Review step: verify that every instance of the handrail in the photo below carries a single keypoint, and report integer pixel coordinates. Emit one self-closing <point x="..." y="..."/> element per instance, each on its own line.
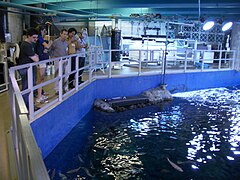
<point x="95" y="59"/>
<point x="30" y="164"/>
<point x="37" y="167"/>
<point x="28" y="157"/>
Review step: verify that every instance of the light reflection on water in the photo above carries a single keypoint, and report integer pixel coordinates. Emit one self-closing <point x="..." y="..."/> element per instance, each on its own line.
<point x="213" y="122"/>
<point x="198" y="132"/>
<point x="224" y="100"/>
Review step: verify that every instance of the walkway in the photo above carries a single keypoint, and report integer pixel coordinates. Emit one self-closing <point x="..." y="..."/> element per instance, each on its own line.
<point x="5" y="122"/>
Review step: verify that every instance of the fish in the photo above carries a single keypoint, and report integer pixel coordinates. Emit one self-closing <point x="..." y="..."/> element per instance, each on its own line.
<point x="91" y="165"/>
<point x="185" y="162"/>
<point x="62" y="176"/>
<point x="169" y="149"/>
<point x="165" y="171"/>
<point x="74" y="170"/>
<point x="80" y="159"/>
<point x="175" y="166"/>
<point x="53" y="174"/>
<point x="87" y="172"/>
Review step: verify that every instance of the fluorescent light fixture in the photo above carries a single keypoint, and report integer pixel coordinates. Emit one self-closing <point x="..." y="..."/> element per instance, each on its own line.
<point x="227" y="26"/>
<point x="208" y="25"/>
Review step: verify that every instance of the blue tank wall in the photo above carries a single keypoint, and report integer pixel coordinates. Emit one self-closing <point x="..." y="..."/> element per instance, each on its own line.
<point x="52" y="127"/>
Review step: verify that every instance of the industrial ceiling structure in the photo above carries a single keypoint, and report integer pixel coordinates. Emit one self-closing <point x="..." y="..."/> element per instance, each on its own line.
<point x="127" y="9"/>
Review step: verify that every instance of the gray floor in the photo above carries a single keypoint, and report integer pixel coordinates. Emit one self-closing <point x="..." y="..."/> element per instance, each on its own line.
<point x="5" y="122"/>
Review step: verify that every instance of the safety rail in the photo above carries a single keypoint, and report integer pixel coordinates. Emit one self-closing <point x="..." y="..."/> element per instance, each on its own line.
<point x="144" y="64"/>
<point x="3" y="87"/>
<point x="29" y="161"/>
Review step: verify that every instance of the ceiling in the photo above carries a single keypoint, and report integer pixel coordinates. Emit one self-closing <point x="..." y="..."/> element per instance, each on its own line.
<point x="168" y="9"/>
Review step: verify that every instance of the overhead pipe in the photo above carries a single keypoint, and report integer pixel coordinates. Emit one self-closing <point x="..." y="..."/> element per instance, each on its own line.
<point x="23" y="13"/>
<point x="182" y="23"/>
<point x="52" y="4"/>
<point x="19" y="6"/>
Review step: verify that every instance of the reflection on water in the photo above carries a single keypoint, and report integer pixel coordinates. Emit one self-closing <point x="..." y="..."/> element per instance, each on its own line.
<point x="217" y="100"/>
<point x="194" y="137"/>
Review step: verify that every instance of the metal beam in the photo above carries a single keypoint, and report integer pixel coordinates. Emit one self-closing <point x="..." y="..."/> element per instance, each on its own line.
<point x="36" y="9"/>
<point x="97" y="5"/>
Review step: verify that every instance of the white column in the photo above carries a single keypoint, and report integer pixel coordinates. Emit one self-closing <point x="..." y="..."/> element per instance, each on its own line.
<point x="235" y="44"/>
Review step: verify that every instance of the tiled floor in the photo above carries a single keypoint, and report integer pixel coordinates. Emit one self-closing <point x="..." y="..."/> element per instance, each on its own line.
<point x="5" y="122"/>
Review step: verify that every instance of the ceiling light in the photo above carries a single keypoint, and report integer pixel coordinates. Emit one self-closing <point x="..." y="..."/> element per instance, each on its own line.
<point x="227" y="26"/>
<point x="208" y="25"/>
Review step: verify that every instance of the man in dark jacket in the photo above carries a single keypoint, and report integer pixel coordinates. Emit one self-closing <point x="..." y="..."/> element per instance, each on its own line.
<point x="27" y="55"/>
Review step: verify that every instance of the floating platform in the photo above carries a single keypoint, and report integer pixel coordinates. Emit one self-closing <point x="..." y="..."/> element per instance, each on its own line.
<point x="117" y="104"/>
<point x="127" y="101"/>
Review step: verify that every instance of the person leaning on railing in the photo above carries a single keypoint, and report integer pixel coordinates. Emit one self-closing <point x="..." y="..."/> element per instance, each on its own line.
<point x="81" y="50"/>
<point x="27" y="55"/>
<point x="41" y="48"/>
<point x="72" y="47"/>
<point x="59" y="48"/>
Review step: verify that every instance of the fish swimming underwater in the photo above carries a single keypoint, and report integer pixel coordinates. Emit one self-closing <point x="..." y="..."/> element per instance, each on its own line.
<point x="80" y="159"/>
<point x="53" y="173"/>
<point x="62" y="176"/>
<point x="74" y="170"/>
<point x="175" y="166"/>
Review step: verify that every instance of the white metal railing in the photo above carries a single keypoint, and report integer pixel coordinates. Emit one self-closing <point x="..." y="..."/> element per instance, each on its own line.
<point x="142" y="63"/>
<point x="28" y="157"/>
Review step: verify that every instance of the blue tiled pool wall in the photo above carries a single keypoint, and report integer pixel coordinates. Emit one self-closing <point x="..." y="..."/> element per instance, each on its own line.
<point x="52" y="127"/>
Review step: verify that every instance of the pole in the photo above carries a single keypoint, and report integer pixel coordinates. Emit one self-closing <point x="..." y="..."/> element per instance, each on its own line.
<point x="165" y="57"/>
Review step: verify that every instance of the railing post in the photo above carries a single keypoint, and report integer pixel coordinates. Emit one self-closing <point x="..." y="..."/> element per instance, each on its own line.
<point x="185" y="62"/>
<point x="110" y="63"/>
<point x="90" y="65"/>
<point x="220" y="60"/>
<point x="30" y="95"/>
<point x="95" y="57"/>
<point x="77" y="73"/>
<point x="163" y="61"/>
<point x="140" y="65"/>
<point x="234" y="59"/>
<point x="60" y="83"/>
<point x="6" y="75"/>
<point x="151" y="52"/>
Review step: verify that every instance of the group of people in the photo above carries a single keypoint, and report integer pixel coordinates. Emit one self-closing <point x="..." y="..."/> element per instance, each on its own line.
<point x="34" y="48"/>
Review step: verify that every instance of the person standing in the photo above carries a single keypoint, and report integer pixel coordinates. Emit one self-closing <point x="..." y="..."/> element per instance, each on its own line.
<point x="81" y="50"/>
<point x="59" y="48"/>
<point x="27" y="55"/>
<point x="72" y="46"/>
<point x="41" y="48"/>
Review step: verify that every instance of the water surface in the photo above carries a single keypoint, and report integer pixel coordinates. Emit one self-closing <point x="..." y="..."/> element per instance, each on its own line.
<point x="196" y="136"/>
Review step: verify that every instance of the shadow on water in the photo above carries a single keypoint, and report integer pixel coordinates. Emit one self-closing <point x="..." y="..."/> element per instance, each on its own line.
<point x="196" y="136"/>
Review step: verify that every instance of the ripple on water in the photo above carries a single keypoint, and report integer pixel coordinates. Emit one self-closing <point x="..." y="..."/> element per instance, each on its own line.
<point x="198" y="133"/>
